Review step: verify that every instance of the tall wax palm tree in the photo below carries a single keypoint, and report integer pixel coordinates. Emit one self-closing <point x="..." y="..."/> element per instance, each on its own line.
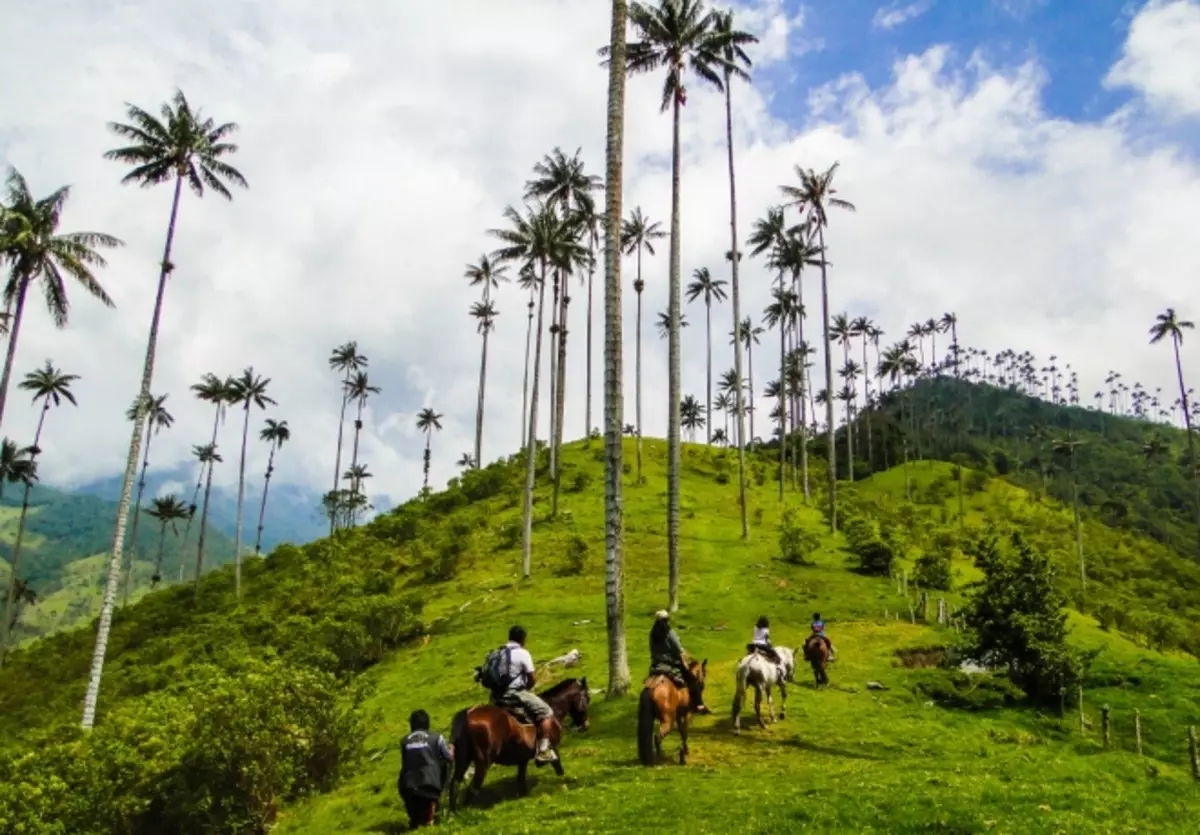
<point x="157" y="418"/>
<point x="208" y="457"/>
<point x="167" y="510"/>
<point x="949" y="322"/>
<point x="795" y="251"/>
<point x="691" y="415"/>
<point x="676" y="36"/>
<point x="18" y="465"/>
<point x="736" y="63"/>
<point x="488" y="275"/>
<point x="527" y="279"/>
<point x="638" y="235"/>
<point x="428" y="421"/>
<point x="275" y="433"/>
<point x="537" y="237"/>
<point x="725" y="404"/>
<point x="814" y="196"/>
<point x="211" y="389"/>
<point x="781" y="313"/>
<point x="34" y="250"/>
<point x="863" y="327"/>
<point x="843" y="335"/>
<point x="182" y="146"/>
<point x="1168" y="325"/>
<point x="614" y="572"/>
<point x="357" y="499"/>
<point x="248" y="390"/>
<point x="346" y="360"/>
<point x="705" y="286"/>
<point x="748" y="333"/>
<point x="465" y="461"/>
<point x="51" y="386"/>
<point x="358" y="389"/>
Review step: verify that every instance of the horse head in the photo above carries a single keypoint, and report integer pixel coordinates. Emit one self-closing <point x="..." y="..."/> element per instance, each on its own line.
<point x="578" y="705"/>
<point x="570" y="698"/>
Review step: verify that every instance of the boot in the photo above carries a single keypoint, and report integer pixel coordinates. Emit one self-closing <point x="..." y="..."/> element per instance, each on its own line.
<point x="545" y="754"/>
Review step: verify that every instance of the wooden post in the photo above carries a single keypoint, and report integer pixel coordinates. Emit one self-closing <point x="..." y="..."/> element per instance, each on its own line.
<point x="1137" y="729"/>
<point x="912" y="614"/>
<point x="1192" y="749"/>
<point x="904" y="578"/>
<point x="1105" y="716"/>
<point x="925" y="607"/>
<point x="941" y="612"/>
<point x="1082" y="731"/>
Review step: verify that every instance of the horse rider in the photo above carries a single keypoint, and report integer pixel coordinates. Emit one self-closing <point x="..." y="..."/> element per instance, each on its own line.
<point x="818" y="630"/>
<point x="425" y="760"/>
<point x="761" y="643"/>
<point x="666" y="658"/>
<point x="514" y="681"/>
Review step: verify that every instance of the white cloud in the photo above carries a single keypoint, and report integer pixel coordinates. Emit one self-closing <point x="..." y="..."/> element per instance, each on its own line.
<point x="1161" y="59"/>
<point x="895" y="14"/>
<point x="1018" y="9"/>
<point x="379" y="149"/>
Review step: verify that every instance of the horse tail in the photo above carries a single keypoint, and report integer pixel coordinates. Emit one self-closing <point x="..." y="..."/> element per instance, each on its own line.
<point x="458" y="738"/>
<point x="739" y="693"/>
<point x="647" y="716"/>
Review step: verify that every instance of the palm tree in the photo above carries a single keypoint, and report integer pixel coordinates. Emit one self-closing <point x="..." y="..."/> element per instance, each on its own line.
<point x="815" y="195"/>
<point x="748" y="333"/>
<point x="736" y="63"/>
<point x="358" y="389"/>
<point x="275" y="433"/>
<point x="663" y="324"/>
<point x="185" y="146"/>
<point x="168" y="510"/>
<point x="863" y="328"/>
<point x="527" y="279"/>
<point x="725" y="404"/>
<point x="211" y="389"/>
<point x="1169" y="326"/>
<point x="34" y="249"/>
<point x="347" y="360"/>
<point x="489" y="275"/>
<point x="949" y="323"/>
<point x="357" y="499"/>
<point x="428" y="421"/>
<point x="465" y="461"/>
<point x="638" y="234"/>
<point x="676" y="35"/>
<point x="157" y="418"/>
<point x="248" y="390"/>
<point x="794" y="252"/>
<point x="691" y="414"/>
<point x="843" y="334"/>
<point x="18" y="465"/>
<point x="51" y="386"/>
<point x="538" y="237"/>
<point x="614" y="574"/>
<point x="209" y="457"/>
<point x="781" y="313"/>
<point x="704" y="285"/>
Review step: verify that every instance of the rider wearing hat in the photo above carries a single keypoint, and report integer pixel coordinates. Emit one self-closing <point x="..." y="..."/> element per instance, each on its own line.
<point x="666" y="658"/>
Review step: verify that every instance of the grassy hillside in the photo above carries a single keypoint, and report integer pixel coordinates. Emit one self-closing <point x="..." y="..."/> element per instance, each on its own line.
<point x="406" y="606"/>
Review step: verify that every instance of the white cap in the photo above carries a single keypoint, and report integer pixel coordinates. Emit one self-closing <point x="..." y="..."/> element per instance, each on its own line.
<point x="662" y="614"/>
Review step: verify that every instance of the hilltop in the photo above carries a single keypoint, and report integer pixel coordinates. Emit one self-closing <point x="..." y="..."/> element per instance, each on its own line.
<point x="402" y="609"/>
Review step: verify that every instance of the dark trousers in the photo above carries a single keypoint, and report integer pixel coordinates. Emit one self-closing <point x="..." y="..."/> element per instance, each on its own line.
<point x="420" y="808"/>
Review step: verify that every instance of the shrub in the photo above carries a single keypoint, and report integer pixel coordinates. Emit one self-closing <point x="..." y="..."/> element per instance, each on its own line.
<point x="977" y="481"/>
<point x="796" y="543"/>
<point x="509" y="536"/>
<point x="577" y="554"/>
<point x="933" y="570"/>
<point x="874" y="555"/>
<point x="580" y="481"/>
<point x="722" y="477"/>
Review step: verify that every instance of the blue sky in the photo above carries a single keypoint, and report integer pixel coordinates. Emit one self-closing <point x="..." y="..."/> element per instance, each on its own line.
<point x="1074" y="41"/>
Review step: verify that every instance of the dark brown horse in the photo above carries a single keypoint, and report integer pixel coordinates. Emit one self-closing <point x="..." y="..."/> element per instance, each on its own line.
<point x="487" y="735"/>
<point x="662" y="706"/>
<point x="816" y="653"/>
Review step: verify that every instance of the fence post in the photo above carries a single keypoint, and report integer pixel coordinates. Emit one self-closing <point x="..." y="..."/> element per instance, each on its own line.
<point x="1137" y="729"/>
<point x="925" y="606"/>
<point x="904" y="577"/>
<point x="1082" y="731"/>
<point x="1105" y="718"/>
<point x="941" y="611"/>
<point x="1194" y="752"/>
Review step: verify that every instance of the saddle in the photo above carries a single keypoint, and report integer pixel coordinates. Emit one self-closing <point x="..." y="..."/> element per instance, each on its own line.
<point x="514" y="709"/>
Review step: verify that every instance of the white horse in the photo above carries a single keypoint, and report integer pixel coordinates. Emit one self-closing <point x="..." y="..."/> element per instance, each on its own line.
<point x="756" y="671"/>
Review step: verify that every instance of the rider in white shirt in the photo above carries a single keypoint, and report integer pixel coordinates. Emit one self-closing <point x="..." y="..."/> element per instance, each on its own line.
<point x="519" y="693"/>
<point x="762" y="640"/>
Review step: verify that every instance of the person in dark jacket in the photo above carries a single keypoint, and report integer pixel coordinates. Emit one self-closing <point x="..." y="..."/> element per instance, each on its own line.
<point x="666" y="658"/>
<point x="425" y="761"/>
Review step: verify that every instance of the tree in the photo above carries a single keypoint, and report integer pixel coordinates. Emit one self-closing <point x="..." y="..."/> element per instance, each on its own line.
<point x="209" y="457"/>
<point x="51" y="386"/>
<point x="358" y="389"/>
<point x="527" y="279"/>
<point x="704" y="285"/>
<point x="691" y="415"/>
<point x="843" y="334"/>
<point x="35" y="250"/>
<point x="782" y="313"/>
<point x="748" y="333"/>
<point x="663" y="324"/>
<point x="796" y="252"/>
<point x="1066" y="447"/>
<point x="18" y="465"/>
<point x="356" y="475"/>
<point x="815" y="195"/>
<point x="488" y="275"/>
<point x="638" y="235"/>
<point x="428" y="421"/>
<point x="184" y="146"/>
<point x="275" y="433"/>
<point x="1169" y="326"/>
<point x="211" y="389"/>
<point x="248" y="390"/>
<point x="949" y="323"/>
<point x="465" y="461"/>
<point x="168" y="510"/>
<point x="157" y="418"/>
<point x="347" y="360"/>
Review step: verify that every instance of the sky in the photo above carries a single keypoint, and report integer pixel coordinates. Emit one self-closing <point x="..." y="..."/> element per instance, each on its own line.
<point x="1031" y="165"/>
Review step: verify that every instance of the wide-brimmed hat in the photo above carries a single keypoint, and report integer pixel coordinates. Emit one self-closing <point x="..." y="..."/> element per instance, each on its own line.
<point x="662" y="614"/>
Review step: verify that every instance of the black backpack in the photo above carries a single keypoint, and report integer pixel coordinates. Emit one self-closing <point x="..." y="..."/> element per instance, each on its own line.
<point x="495" y="673"/>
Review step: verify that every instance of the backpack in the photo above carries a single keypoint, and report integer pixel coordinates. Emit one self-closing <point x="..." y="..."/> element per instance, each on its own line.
<point x="495" y="673"/>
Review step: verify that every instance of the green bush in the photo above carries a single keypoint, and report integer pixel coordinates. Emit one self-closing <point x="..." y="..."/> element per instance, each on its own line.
<point x="577" y="554"/>
<point x="580" y="481"/>
<point x="796" y="543"/>
<point x="933" y="570"/>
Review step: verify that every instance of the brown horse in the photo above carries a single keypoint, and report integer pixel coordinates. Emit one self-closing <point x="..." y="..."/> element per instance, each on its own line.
<point x="663" y="705"/>
<point x="487" y="735"/>
<point x="816" y="653"/>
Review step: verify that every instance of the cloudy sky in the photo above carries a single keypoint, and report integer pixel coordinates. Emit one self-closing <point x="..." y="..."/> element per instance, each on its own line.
<point x="1028" y="164"/>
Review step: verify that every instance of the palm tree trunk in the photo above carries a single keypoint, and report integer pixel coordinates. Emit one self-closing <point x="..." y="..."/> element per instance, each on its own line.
<point x="708" y="378"/>
<point x="867" y="408"/>
<point x="1187" y="423"/>
<point x="241" y="502"/>
<point x="204" y="521"/>
<point x="559" y="403"/>
<point x="10" y="597"/>
<point x="354" y="458"/>
<point x="638" y="373"/>
<point x="614" y="413"/>
<point x="587" y="412"/>
<point x="673" y="376"/>
<point x="783" y="393"/>
<point x="735" y="292"/>
<point x="531" y="443"/>
<point x="135" y="447"/>
<point x="337" y="461"/>
<point x="554" y="337"/>
<point x="829" y="433"/>
<point x="162" y="541"/>
<point x="479" y="407"/>
<point x="525" y="384"/>
<point x="750" y="380"/>
<point x="11" y="354"/>
<point x="262" y="508"/>
<point x="428" y="441"/>
<point x="804" y="386"/>
<point x="187" y="529"/>
<point x="133" y="531"/>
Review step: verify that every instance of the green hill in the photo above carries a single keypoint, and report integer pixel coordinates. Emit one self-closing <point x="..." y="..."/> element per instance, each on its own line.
<point x="286" y="709"/>
<point x="64" y="555"/>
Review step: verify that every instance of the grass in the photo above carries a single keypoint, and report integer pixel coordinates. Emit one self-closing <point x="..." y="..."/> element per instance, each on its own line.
<point x="846" y="759"/>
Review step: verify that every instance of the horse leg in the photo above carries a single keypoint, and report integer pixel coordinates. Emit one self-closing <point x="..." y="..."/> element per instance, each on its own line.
<point x="737" y="710"/>
<point x="758" y="706"/>
<point x="522" y="778"/>
<point x="782" y="700"/>
<point x="683" y="740"/>
<point x="770" y="703"/>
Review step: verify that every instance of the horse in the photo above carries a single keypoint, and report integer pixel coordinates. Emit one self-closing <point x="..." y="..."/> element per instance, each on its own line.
<point x="816" y="653"/>
<point x="759" y="672"/>
<point x="663" y="705"/>
<point x="487" y="735"/>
